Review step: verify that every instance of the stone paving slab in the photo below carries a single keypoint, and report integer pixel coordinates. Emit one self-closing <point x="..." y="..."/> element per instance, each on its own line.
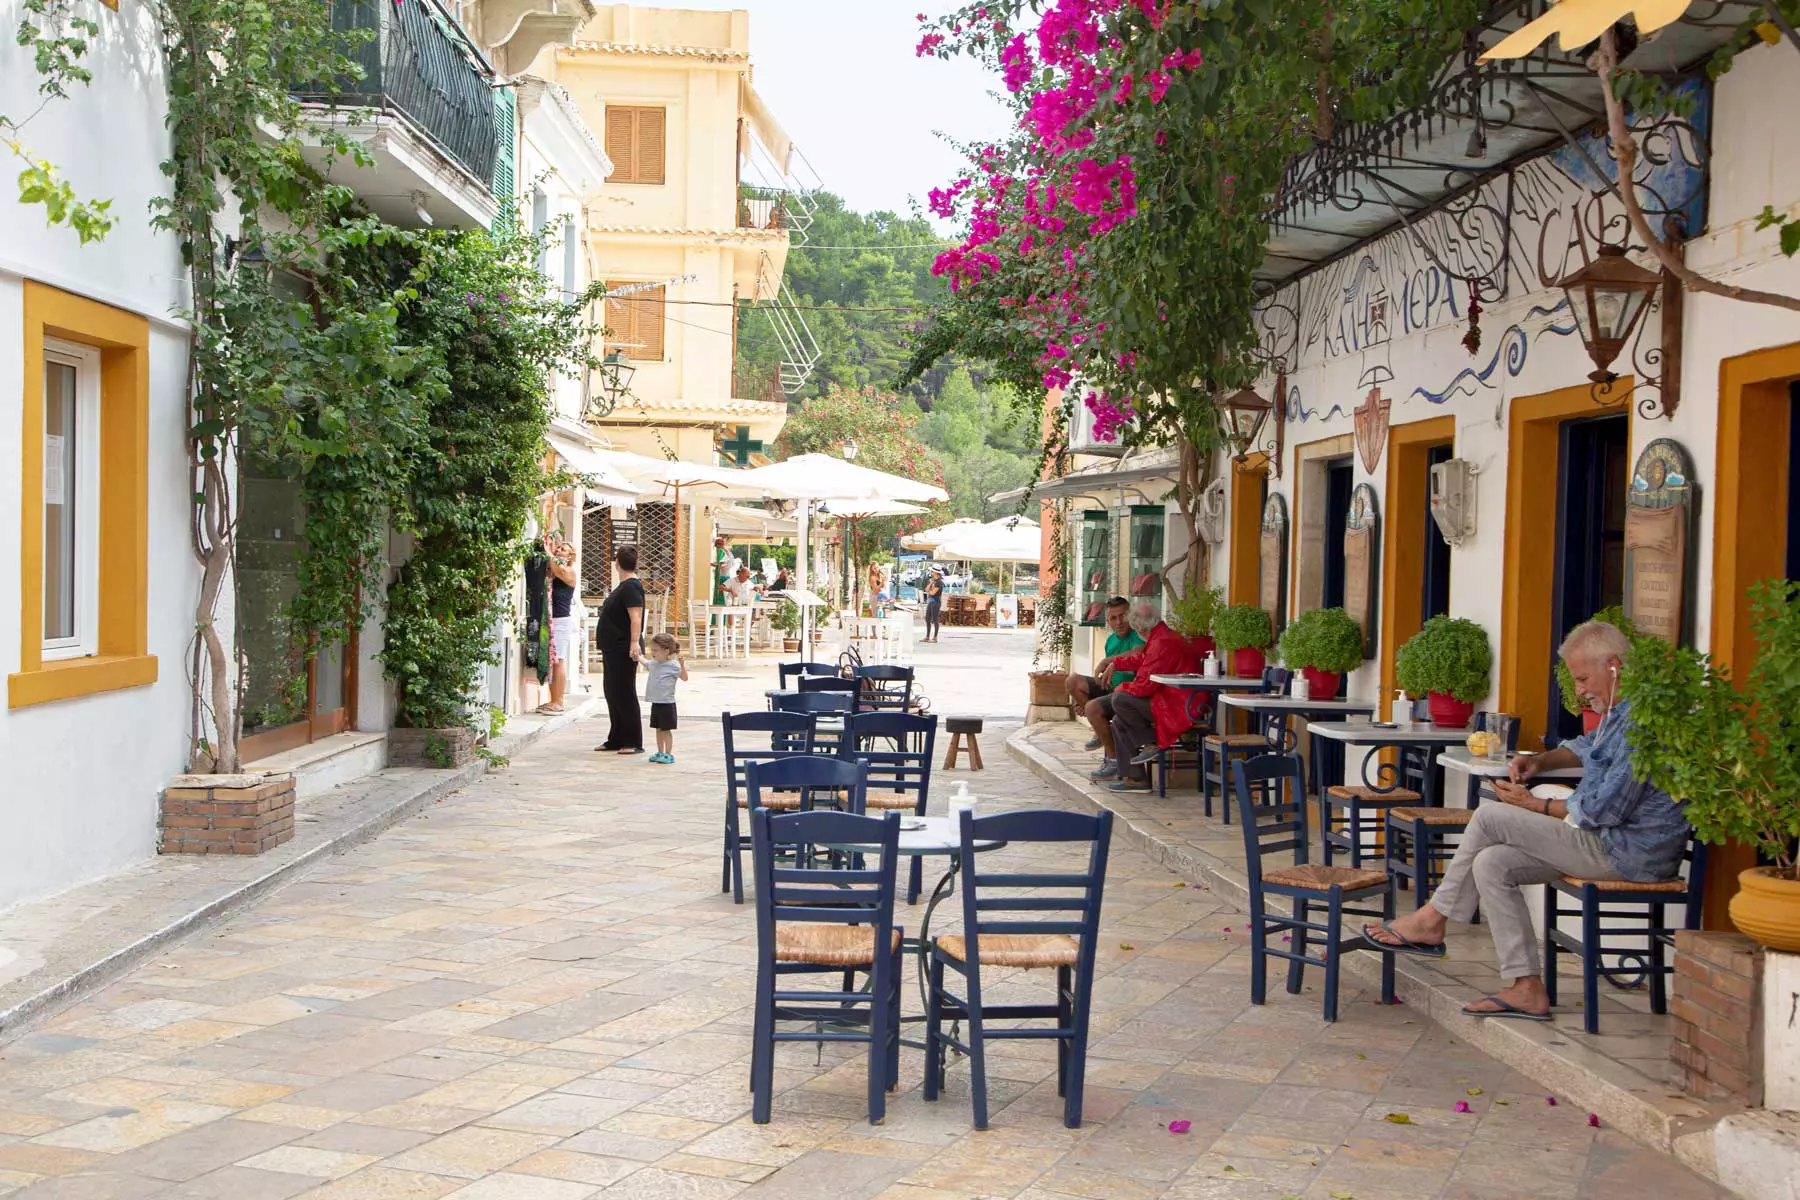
<point x="535" y="989"/>
<point x="53" y="951"/>
<point x="1623" y="1073"/>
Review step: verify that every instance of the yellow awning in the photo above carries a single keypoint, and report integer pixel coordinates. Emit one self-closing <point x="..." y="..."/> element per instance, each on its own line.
<point x="761" y="124"/>
<point x="1581" y="21"/>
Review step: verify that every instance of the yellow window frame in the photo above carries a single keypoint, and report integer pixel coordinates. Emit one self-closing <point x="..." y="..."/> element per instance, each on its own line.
<point x="124" y="659"/>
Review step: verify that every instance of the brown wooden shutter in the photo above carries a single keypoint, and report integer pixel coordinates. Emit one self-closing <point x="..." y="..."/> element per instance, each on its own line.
<point x="621" y="140"/>
<point x="618" y="318"/>
<point x="651" y="151"/>
<point x="634" y="322"/>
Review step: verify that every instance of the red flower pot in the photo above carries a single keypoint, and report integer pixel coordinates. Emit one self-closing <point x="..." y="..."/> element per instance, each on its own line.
<point x="1321" y="685"/>
<point x="1447" y="712"/>
<point x="1590" y="720"/>
<point x="1202" y="646"/>
<point x="1247" y="663"/>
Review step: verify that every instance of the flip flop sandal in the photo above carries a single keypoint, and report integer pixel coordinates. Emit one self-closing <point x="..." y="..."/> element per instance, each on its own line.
<point x="550" y="710"/>
<point x="1406" y="945"/>
<point x="630" y="752"/>
<point x="1504" y="1012"/>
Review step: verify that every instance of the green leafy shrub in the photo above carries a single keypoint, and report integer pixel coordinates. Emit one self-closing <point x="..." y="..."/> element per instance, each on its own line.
<point x="787" y="618"/>
<point x="1242" y="627"/>
<point x="1613" y="615"/>
<point x="1726" y="752"/>
<point x="1193" y="614"/>
<point x="1450" y="655"/>
<point x="1325" y="639"/>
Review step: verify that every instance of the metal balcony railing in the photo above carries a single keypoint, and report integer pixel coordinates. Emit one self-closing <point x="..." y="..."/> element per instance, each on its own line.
<point x="757" y="381"/>
<point x="416" y="65"/>
<point x="764" y="208"/>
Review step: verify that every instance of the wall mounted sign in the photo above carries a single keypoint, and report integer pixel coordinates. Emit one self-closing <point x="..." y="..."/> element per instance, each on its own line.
<point x="1659" y="515"/>
<point x="1362" y="554"/>
<point x="1271" y="593"/>
<point x="1211" y="517"/>
<point x="1372" y="429"/>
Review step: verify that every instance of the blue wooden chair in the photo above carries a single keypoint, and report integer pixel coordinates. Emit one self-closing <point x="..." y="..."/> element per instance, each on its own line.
<point x="885" y="688"/>
<point x="800" y="670"/>
<point x="796" y="934"/>
<point x="1278" y="827"/>
<point x="1055" y="923"/>
<point x="1186" y="750"/>
<point x="1640" y="934"/>
<point x="1218" y="751"/>
<point x="829" y="683"/>
<point x="754" y="737"/>
<point x="898" y="747"/>
<point x="832" y="705"/>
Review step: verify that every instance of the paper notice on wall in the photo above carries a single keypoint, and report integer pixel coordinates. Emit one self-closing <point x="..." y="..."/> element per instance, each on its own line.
<point x="54" y="484"/>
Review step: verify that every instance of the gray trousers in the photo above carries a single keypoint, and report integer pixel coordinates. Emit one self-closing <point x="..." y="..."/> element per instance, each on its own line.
<point x="1506" y="847"/>
<point x="1133" y="728"/>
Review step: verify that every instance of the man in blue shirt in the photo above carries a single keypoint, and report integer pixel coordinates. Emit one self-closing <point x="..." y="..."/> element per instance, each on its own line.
<point x="1614" y="826"/>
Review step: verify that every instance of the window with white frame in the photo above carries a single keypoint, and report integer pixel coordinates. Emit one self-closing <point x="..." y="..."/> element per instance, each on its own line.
<point x="71" y="500"/>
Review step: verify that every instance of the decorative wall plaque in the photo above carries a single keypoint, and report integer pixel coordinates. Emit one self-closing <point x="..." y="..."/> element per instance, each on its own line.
<point x="1362" y="554"/>
<point x="1371" y="418"/>
<point x="1271" y="595"/>
<point x="1658" y="516"/>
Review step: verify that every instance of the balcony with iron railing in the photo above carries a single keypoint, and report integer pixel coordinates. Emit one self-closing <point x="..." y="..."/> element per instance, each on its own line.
<point x="417" y="64"/>
<point x="765" y="208"/>
<point x="757" y="381"/>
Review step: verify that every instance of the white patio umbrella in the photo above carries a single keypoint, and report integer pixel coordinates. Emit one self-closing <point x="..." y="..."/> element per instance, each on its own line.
<point x="988" y="543"/>
<point x="602" y="482"/>
<point x="929" y="539"/>
<point x="810" y="477"/>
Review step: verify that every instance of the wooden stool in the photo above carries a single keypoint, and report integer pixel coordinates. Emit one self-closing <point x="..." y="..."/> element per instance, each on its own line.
<point x="959" y="728"/>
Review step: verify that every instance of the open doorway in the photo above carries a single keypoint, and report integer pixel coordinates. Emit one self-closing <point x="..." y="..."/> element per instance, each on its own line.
<point x="1340" y="481"/>
<point x="1593" y="473"/>
<point x="1434" y="551"/>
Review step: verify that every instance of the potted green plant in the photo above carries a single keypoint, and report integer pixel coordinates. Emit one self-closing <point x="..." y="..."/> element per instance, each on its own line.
<point x="787" y="620"/>
<point x="1615" y="616"/>
<point x="1192" y="617"/>
<point x="1448" y="662"/>
<point x="1243" y="631"/>
<point x="1726" y="751"/>
<point x="1322" y="645"/>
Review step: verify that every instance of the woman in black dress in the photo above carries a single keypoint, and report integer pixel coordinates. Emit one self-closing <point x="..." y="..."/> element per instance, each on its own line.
<point x="621" y="635"/>
<point x="934" y="606"/>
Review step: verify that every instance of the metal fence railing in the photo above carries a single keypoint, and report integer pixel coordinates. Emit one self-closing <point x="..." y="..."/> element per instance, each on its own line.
<point x="414" y="65"/>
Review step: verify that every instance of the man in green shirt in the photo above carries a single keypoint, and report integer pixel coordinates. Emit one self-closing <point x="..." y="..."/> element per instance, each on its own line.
<point x="1092" y="694"/>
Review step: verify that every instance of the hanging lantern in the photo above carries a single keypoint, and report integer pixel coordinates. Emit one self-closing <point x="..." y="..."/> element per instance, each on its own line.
<point x="1244" y="413"/>
<point x="615" y="371"/>
<point x="1608" y="297"/>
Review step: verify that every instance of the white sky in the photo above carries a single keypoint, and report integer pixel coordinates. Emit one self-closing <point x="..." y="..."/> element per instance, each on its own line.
<point x="842" y="78"/>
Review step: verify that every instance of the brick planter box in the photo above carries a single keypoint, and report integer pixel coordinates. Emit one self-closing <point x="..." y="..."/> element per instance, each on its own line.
<point x="443" y="748"/>
<point x="226" y="814"/>
<point x="1717" y="1006"/>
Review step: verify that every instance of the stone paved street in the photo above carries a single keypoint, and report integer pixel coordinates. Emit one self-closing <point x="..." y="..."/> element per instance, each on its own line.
<point x="535" y="991"/>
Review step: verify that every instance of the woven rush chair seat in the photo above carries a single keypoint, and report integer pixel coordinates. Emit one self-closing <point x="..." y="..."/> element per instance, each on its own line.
<point x="1435" y="816"/>
<point x="898" y="801"/>
<point x="1367" y="795"/>
<point x="1625" y="885"/>
<point x="1016" y="950"/>
<point x="828" y="945"/>
<point x="1320" y="878"/>
<point x="1234" y="739"/>
<point x="777" y="803"/>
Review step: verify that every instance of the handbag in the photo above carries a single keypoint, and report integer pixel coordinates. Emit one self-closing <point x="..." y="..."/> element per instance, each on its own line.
<point x="1144" y="585"/>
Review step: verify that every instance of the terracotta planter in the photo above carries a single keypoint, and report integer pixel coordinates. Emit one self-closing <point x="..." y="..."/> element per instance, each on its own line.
<point x="439" y="748"/>
<point x="1248" y="663"/>
<point x="1447" y="712"/>
<point x="1048" y="689"/>
<point x="1321" y="685"/>
<point x="1590" y="720"/>
<point x="1767" y="909"/>
<point x="790" y="645"/>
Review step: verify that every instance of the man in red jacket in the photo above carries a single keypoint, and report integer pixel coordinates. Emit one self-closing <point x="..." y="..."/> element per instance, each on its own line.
<point x="1147" y="713"/>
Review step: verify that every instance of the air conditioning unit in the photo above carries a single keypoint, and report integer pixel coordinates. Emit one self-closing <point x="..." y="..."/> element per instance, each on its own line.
<point x="1081" y="432"/>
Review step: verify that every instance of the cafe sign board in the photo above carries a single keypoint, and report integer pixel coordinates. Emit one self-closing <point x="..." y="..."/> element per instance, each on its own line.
<point x="1362" y="551"/>
<point x="1271" y="595"/>
<point x="1659" y="519"/>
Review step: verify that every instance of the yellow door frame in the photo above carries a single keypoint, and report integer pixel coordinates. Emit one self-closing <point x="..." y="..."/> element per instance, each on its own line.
<point x="1247" y="478"/>
<point x="1534" y="433"/>
<point x="1402" y="559"/>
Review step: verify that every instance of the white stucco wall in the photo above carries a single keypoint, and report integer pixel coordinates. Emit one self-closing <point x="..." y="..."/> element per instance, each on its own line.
<point x="1753" y="164"/>
<point x="79" y="798"/>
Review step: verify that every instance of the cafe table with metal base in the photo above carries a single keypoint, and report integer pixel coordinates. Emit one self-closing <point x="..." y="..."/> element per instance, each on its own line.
<point x="1375" y="737"/>
<point x="1478" y="770"/>
<point x="1218" y="685"/>
<point x="1323" y="756"/>
<point x="930" y="837"/>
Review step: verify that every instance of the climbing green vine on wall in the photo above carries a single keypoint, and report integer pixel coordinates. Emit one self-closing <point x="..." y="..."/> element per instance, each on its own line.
<point x="58" y="39"/>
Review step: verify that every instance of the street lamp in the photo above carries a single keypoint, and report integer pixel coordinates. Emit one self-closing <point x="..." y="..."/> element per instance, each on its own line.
<point x="615" y="381"/>
<point x="1244" y="412"/>
<point x="1608" y="296"/>
<point x="848" y="449"/>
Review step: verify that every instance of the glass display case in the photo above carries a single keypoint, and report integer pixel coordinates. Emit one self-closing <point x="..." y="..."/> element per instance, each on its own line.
<point x="1096" y="566"/>
<point x="1145" y="554"/>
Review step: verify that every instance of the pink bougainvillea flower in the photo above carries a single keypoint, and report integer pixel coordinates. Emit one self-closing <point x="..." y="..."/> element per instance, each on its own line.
<point x="1550" y="1100"/>
<point x="1594" y="1120"/>
<point x="1180" y="1126"/>
<point x="1462" y="1106"/>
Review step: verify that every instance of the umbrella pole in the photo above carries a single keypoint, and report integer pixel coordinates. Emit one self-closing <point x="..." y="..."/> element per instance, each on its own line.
<point x="677" y="601"/>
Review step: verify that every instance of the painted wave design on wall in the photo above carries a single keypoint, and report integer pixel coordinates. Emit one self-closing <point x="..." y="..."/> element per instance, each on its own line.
<point x="1513" y="347"/>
